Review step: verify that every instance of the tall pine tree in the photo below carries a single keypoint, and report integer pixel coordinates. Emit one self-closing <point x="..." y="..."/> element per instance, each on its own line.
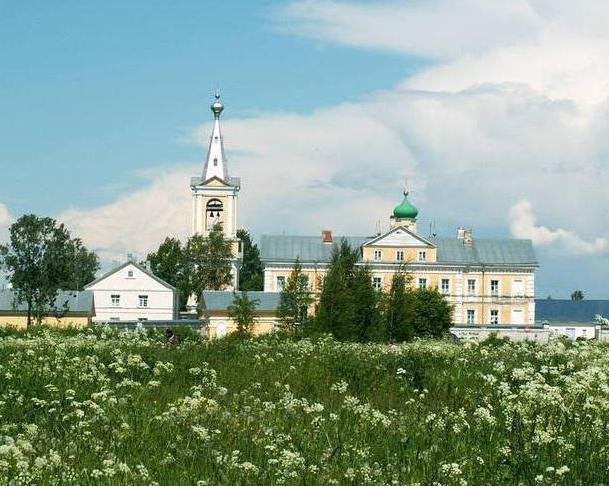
<point x="399" y="309"/>
<point x="348" y="305"/>
<point x="251" y="275"/>
<point x="293" y="310"/>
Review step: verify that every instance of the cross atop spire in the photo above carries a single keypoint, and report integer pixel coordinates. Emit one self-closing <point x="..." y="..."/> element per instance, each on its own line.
<point x="215" y="165"/>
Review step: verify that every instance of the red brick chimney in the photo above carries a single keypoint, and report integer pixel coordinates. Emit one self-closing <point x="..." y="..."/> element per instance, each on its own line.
<point x="326" y="236"/>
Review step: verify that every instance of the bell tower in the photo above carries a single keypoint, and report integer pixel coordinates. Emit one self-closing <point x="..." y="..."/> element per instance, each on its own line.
<point x="214" y="192"/>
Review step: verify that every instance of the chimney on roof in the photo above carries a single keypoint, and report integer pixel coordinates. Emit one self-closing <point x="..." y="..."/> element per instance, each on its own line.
<point x="468" y="237"/>
<point x="460" y="232"/>
<point x="326" y="236"/>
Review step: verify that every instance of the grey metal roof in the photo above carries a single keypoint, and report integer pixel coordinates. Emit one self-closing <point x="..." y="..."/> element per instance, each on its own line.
<point x="139" y="267"/>
<point x="486" y="251"/>
<point x="306" y="248"/>
<point x="220" y="300"/>
<point x="77" y="302"/>
<point x="279" y="248"/>
<point x="559" y="310"/>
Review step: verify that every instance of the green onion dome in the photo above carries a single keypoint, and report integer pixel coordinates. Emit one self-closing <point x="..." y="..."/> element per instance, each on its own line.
<point x="405" y="210"/>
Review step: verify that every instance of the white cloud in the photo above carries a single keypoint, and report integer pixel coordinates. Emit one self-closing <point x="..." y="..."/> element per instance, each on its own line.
<point x="441" y="29"/>
<point x="5" y="221"/>
<point x="139" y="221"/>
<point x="514" y="107"/>
<point x="523" y="225"/>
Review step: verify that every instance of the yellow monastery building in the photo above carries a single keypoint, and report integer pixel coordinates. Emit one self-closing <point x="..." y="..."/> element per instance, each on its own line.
<point x="489" y="281"/>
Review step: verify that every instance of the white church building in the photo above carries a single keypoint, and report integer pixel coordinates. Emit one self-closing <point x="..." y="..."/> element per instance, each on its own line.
<point x="131" y="292"/>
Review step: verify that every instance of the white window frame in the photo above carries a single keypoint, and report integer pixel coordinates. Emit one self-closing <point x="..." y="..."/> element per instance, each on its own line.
<point x="471" y="290"/>
<point x="280" y="281"/>
<point x="399" y="255"/>
<point x="446" y="290"/>
<point x="495" y="292"/>
<point x="514" y="292"/>
<point x="422" y="255"/>
<point x="115" y="299"/>
<point x="377" y="283"/>
<point x="519" y="311"/>
<point x="470" y="316"/>
<point x="378" y="255"/>
<point x="494" y="316"/>
<point x="143" y="300"/>
<point x="422" y="283"/>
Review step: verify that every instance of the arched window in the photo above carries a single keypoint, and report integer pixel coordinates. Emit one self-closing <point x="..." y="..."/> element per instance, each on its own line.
<point x="214" y="211"/>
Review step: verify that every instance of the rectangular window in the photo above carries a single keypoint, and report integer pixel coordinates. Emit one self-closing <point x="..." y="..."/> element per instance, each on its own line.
<point x="518" y="287"/>
<point x="129" y="273"/>
<point x="143" y="301"/>
<point x="494" y="316"/>
<point x="378" y="254"/>
<point x="422" y="283"/>
<point x="280" y="282"/>
<point x="116" y="300"/>
<point x="422" y="256"/>
<point x="495" y="287"/>
<point x="471" y="316"/>
<point x="115" y="318"/>
<point x="445" y="286"/>
<point x="471" y="287"/>
<point x="377" y="283"/>
<point x="399" y="255"/>
<point x="517" y="316"/>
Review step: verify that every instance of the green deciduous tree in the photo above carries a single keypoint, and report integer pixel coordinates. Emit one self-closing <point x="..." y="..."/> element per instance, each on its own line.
<point x="170" y="263"/>
<point x="243" y="312"/>
<point x="209" y="261"/>
<point x="41" y="258"/>
<point x="399" y="309"/>
<point x="81" y="267"/>
<point x="432" y="313"/>
<point x="293" y="310"/>
<point x="251" y="275"/>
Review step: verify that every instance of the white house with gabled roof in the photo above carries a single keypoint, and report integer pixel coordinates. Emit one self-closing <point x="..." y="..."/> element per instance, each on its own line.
<point x="131" y="292"/>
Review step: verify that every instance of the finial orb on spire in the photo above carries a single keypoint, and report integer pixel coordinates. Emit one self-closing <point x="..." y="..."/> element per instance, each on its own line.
<point x="217" y="107"/>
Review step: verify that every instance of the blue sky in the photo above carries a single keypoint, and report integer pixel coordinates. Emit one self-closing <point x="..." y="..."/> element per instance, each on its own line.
<point x="495" y="112"/>
<point x="93" y="92"/>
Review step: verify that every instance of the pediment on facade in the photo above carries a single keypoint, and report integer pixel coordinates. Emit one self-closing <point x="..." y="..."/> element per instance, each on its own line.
<point x="400" y="237"/>
<point x="215" y="181"/>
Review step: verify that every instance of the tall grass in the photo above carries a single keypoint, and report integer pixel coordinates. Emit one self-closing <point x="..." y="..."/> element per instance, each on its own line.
<point x="105" y="407"/>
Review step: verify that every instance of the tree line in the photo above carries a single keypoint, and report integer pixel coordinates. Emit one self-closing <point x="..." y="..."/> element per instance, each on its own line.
<point x="42" y="258"/>
<point x="349" y="306"/>
<point x="204" y="263"/>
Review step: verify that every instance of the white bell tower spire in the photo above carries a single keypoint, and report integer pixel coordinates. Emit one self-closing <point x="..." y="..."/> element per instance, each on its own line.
<point x="215" y="165"/>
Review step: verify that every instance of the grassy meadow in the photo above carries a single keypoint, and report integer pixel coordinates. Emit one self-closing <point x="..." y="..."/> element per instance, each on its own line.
<point x="106" y="407"/>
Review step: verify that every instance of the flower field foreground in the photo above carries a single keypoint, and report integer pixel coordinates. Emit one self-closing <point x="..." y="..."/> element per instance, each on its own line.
<point x="107" y="407"/>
